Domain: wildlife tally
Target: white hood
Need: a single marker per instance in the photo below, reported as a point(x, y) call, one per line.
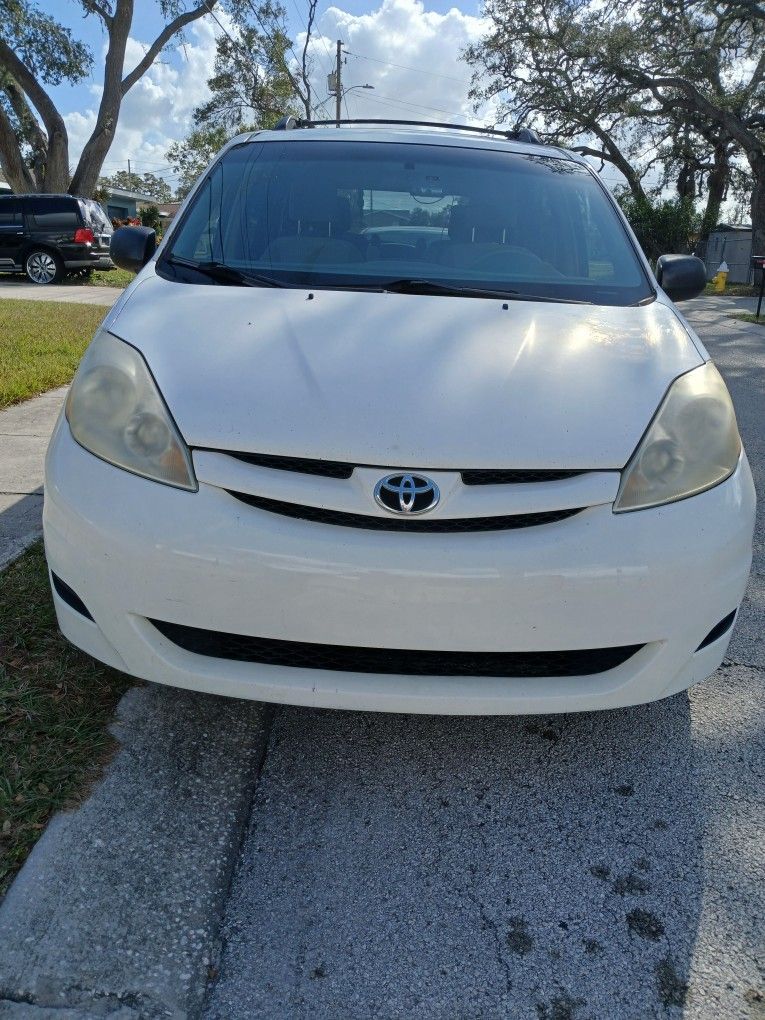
point(403, 380)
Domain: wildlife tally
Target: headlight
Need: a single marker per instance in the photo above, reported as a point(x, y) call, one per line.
point(115, 411)
point(691, 444)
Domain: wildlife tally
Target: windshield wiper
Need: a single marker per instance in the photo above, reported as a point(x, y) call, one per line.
point(413, 286)
point(222, 273)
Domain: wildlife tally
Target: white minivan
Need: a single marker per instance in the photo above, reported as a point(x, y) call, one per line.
point(399, 418)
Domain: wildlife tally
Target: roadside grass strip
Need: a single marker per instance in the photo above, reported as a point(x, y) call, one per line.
point(748, 317)
point(41, 343)
point(101, 278)
point(55, 706)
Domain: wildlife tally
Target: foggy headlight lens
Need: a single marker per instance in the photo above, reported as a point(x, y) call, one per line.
point(115, 411)
point(691, 444)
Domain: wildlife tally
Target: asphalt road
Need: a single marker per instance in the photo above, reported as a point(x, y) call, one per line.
point(558, 868)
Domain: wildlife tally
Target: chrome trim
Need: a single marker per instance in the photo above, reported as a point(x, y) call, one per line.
point(405, 488)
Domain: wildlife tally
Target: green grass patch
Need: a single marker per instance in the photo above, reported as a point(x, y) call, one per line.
point(55, 706)
point(748, 317)
point(41, 343)
point(733, 290)
point(102, 278)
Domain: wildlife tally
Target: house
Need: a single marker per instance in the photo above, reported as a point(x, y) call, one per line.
point(167, 211)
point(731, 243)
point(125, 205)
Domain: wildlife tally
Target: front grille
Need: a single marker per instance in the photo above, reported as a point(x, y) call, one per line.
point(302, 465)
point(419, 524)
point(347, 658)
point(501, 476)
point(343, 469)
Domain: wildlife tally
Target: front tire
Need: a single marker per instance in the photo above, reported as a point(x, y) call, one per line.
point(43, 267)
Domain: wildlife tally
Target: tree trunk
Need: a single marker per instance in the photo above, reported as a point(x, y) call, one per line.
point(97, 146)
point(15, 171)
point(757, 163)
point(717, 182)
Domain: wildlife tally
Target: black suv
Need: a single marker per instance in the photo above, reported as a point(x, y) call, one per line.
point(49, 236)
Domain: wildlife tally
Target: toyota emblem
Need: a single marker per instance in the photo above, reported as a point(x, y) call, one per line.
point(407, 493)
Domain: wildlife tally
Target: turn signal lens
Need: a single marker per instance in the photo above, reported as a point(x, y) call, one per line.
point(691, 444)
point(83, 235)
point(116, 411)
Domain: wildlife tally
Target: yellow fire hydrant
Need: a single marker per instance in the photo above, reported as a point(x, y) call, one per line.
point(720, 279)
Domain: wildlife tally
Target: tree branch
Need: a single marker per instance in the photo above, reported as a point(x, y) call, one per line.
point(164, 37)
point(42, 102)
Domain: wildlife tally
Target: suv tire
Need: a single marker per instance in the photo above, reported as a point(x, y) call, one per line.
point(43, 266)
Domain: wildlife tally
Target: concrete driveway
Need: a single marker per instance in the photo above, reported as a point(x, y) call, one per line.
point(557, 868)
point(78, 293)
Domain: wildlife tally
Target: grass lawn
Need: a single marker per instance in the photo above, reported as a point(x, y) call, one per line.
point(734, 290)
point(748, 317)
point(55, 705)
point(41, 343)
point(102, 278)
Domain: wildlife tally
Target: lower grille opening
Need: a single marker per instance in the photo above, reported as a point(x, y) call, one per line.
point(718, 630)
point(70, 596)
point(347, 658)
point(421, 524)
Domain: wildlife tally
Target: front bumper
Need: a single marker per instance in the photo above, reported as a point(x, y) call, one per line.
point(135, 550)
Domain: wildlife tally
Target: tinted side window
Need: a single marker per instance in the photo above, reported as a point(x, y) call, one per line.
point(10, 212)
point(54, 213)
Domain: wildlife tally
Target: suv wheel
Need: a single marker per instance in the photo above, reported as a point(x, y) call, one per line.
point(43, 267)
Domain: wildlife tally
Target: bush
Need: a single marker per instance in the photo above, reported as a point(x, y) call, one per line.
point(150, 217)
point(661, 226)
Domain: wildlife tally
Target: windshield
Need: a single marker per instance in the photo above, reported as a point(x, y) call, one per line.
point(365, 214)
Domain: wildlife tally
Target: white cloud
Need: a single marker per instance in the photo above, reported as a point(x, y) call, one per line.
point(410, 54)
point(432, 82)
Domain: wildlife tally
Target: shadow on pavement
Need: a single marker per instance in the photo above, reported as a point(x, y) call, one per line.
point(20, 523)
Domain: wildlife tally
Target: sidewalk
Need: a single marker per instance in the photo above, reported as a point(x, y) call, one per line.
point(24, 433)
point(20, 289)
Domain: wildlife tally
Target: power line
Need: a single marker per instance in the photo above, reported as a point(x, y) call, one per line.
point(406, 67)
point(390, 101)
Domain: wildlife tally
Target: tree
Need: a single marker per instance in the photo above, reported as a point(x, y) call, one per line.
point(144, 184)
point(37, 51)
point(536, 58)
point(189, 157)
point(661, 226)
point(254, 81)
point(687, 74)
point(254, 84)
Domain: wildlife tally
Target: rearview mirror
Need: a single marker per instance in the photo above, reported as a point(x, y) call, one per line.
point(681, 276)
point(132, 247)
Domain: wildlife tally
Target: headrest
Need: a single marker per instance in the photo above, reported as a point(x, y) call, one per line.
point(459, 225)
point(315, 202)
point(341, 219)
point(474, 223)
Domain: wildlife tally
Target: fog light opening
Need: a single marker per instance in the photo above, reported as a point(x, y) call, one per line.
point(718, 630)
point(68, 595)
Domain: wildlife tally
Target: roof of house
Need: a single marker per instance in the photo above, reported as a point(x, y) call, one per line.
point(727, 227)
point(132, 195)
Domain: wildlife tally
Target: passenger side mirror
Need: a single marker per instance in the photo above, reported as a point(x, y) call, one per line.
point(132, 247)
point(681, 276)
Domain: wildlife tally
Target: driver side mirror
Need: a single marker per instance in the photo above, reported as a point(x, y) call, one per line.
point(132, 247)
point(681, 276)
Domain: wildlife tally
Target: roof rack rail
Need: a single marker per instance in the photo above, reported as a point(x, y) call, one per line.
point(517, 135)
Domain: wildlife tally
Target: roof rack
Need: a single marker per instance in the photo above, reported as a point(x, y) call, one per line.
point(518, 135)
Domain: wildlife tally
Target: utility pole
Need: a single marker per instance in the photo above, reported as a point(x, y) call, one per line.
point(339, 82)
point(128, 168)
